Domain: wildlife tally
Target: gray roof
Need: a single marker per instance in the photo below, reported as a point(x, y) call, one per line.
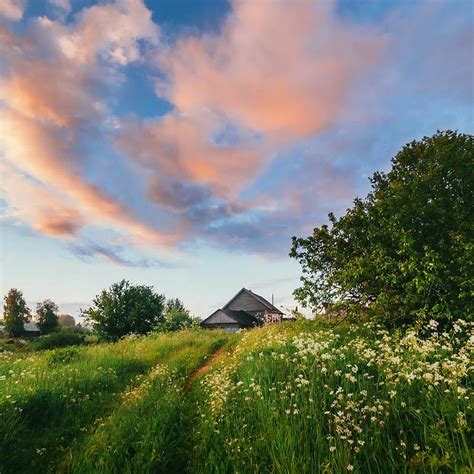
point(31, 326)
point(259, 298)
point(239, 316)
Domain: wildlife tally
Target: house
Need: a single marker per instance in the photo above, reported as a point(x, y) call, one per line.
point(245, 310)
point(30, 330)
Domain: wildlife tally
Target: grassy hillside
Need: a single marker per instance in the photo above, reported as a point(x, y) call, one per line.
point(293, 398)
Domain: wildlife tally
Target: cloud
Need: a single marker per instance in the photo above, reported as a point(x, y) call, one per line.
point(52, 103)
point(64, 5)
point(282, 68)
point(12, 9)
point(90, 251)
point(41, 208)
point(181, 148)
point(276, 118)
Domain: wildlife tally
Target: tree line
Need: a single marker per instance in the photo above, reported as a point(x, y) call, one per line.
point(121, 310)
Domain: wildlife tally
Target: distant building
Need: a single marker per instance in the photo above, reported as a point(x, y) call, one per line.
point(66, 320)
point(245, 310)
point(30, 329)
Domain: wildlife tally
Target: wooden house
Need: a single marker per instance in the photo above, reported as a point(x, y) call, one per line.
point(245, 310)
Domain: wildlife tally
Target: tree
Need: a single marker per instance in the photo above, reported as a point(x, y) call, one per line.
point(175, 304)
point(125, 309)
point(15, 313)
point(47, 316)
point(176, 317)
point(406, 251)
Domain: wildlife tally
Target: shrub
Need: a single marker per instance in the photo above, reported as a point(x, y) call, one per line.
point(62, 338)
point(63, 355)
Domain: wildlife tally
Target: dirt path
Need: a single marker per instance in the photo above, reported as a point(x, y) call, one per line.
point(200, 371)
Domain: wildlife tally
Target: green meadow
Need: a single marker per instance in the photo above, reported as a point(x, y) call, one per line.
point(301, 397)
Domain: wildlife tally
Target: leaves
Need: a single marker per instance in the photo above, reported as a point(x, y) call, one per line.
point(406, 249)
point(47, 316)
point(125, 309)
point(15, 313)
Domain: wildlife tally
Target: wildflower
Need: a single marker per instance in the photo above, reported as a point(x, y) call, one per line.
point(350, 467)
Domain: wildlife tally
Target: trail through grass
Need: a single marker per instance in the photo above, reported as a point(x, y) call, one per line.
point(52, 400)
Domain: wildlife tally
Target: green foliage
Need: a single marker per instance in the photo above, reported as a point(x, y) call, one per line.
point(63, 355)
point(47, 316)
point(125, 309)
point(407, 250)
point(175, 320)
point(175, 304)
point(15, 313)
point(176, 317)
point(63, 338)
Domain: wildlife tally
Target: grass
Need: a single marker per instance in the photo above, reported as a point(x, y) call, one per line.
point(52, 400)
point(315, 397)
point(300, 397)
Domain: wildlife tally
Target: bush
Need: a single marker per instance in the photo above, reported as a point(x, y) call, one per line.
point(62, 338)
point(63, 355)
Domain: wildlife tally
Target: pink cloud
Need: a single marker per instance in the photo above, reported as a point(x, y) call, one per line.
point(181, 148)
point(283, 68)
point(12, 9)
point(48, 90)
point(32, 202)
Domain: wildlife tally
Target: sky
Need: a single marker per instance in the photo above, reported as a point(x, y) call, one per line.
point(181, 144)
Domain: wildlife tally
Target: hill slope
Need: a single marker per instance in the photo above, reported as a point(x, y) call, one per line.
point(294, 398)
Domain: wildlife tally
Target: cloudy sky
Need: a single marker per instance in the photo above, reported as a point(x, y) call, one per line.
point(181, 143)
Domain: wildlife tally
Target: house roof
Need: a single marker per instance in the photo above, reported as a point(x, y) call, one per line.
point(30, 326)
point(259, 298)
point(239, 316)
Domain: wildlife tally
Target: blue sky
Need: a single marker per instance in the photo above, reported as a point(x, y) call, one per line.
point(181, 144)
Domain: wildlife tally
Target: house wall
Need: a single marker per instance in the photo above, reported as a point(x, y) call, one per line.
point(269, 317)
point(247, 303)
point(224, 327)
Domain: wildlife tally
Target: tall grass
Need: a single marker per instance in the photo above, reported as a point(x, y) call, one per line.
point(52, 399)
point(140, 436)
point(319, 398)
point(304, 397)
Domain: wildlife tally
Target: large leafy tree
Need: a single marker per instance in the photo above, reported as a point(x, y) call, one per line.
point(15, 313)
point(47, 316)
point(125, 309)
point(406, 251)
